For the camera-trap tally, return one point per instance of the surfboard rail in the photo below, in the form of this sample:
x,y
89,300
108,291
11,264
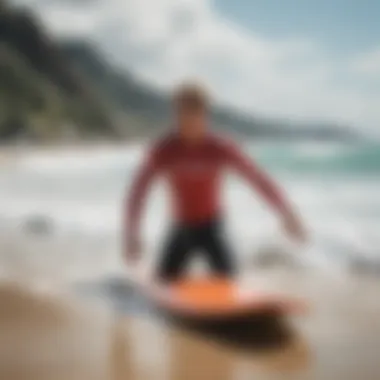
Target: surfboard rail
x,y
210,298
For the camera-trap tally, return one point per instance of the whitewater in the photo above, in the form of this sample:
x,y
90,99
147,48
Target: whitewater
x,y
79,194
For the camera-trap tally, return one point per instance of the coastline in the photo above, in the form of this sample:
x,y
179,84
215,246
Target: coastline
x,y
58,338
51,332
10,154
85,145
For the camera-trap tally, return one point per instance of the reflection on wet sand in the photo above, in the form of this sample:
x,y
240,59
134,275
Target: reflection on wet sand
x,y
47,336
162,353
212,359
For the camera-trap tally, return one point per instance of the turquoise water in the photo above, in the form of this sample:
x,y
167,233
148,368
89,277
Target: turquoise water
x,y
322,160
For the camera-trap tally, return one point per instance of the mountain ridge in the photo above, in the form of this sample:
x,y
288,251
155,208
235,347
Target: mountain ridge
x,y
71,88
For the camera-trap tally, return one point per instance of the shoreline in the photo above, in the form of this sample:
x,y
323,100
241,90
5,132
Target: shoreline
x,y
9,154
66,145
42,310
49,333
96,339
95,344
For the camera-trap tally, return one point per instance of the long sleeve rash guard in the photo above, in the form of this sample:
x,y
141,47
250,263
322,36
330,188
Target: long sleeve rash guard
x,y
193,173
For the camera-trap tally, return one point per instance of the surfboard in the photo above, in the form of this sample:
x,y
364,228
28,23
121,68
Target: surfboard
x,y
218,299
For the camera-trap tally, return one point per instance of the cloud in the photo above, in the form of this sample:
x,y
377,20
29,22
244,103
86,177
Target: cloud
x,y
368,63
165,41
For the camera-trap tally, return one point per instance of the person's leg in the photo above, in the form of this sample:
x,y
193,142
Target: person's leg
x,y
212,242
175,254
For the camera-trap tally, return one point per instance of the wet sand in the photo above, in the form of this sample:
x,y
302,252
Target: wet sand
x,y
52,335
50,331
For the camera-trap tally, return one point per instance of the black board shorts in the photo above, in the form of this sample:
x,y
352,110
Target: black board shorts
x,y
185,241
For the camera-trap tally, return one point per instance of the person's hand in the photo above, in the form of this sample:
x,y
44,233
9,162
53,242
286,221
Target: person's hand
x,y
294,228
132,250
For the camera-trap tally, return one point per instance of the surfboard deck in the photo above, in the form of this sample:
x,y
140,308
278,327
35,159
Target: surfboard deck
x,y
218,299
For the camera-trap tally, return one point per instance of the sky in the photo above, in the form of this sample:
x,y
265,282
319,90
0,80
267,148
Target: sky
x,y
298,59
343,27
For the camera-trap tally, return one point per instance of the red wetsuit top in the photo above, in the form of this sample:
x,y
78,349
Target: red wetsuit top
x,y
193,172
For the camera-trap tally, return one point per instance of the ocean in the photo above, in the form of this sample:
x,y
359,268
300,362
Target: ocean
x,y
69,203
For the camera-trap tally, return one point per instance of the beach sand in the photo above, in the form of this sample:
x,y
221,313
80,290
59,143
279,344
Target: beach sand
x,y
51,334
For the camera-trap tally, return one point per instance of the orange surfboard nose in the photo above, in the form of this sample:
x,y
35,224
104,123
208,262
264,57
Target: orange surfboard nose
x,y
206,292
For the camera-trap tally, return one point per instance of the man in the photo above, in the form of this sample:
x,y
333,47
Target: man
x,y
192,160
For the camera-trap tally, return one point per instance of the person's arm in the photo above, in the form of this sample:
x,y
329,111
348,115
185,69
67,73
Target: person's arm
x,y
262,183
136,199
